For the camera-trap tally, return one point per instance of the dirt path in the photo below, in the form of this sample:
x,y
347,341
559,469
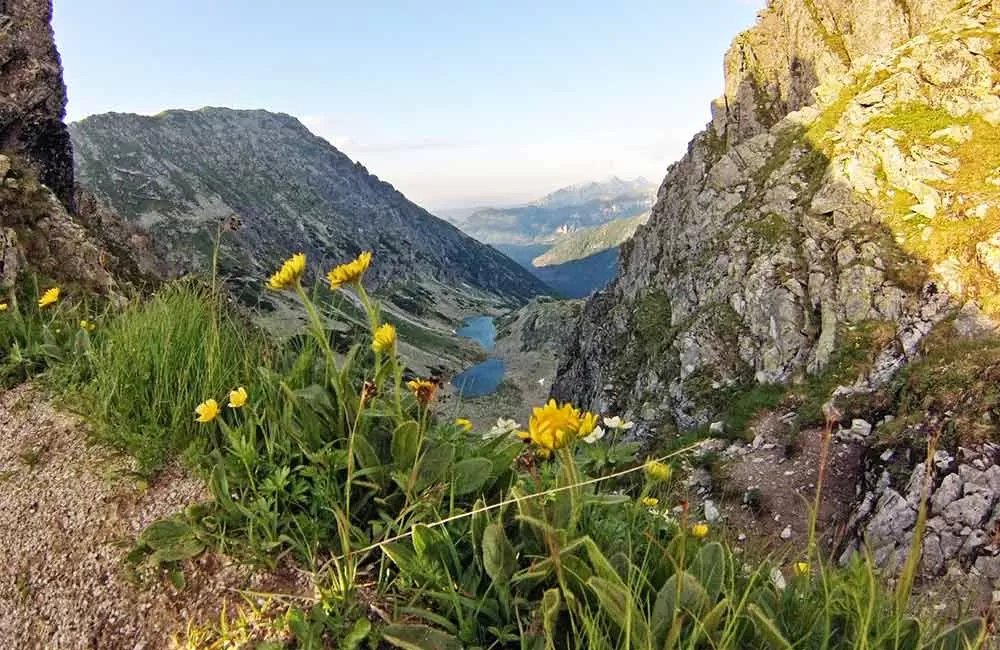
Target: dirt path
x,y
69,513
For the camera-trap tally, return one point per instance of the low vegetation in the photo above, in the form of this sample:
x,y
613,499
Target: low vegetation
x,y
418,532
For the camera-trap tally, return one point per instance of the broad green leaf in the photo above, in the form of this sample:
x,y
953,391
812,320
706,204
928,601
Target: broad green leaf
x,y
165,533
470,475
768,631
419,637
435,465
480,519
680,594
405,445
499,558
362,628
617,603
709,567
183,549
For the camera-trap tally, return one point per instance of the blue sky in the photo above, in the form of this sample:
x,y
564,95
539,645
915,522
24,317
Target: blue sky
x,y
455,103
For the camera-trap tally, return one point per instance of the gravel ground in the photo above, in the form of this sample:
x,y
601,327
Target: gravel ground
x,y
69,513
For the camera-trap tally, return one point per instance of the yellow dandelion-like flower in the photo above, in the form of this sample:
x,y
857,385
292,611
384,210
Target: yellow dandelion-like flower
x,y
659,472
238,397
464,425
384,339
3,306
588,422
349,273
552,426
87,325
423,389
801,568
289,273
650,502
207,411
49,297
699,530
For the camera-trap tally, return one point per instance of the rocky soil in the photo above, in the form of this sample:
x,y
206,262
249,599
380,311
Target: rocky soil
x,y
69,514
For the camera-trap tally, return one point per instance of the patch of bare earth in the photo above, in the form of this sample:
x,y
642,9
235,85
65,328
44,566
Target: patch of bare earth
x,y
69,514
779,475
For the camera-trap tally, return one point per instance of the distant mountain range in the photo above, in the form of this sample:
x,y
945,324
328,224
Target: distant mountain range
x,y
590,241
569,239
180,173
557,214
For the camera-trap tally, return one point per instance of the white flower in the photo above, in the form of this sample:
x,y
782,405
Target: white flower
x,y
594,436
503,427
617,423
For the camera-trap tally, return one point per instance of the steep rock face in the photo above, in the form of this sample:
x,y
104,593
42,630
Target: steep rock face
x,y
40,226
33,96
772,69
180,173
779,234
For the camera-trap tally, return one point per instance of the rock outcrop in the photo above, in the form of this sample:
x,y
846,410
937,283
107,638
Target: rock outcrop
x,y
849,178
41,227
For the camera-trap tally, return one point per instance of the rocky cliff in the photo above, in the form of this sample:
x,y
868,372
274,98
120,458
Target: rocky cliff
x,y
180,173
41,227
849,183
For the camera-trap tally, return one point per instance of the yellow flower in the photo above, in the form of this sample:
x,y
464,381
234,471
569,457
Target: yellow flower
x,y
588,422
552,426
49,297
385,338
349,273
207,411
423,389
650,502
289,273
801,568
3,306
659,472
237,398
464,425
699,530
87,325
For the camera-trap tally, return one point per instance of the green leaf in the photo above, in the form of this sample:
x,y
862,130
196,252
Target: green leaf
x,y
767,629
551,605
419,637
165,533
470,475
480,519
606,499
499,558
362,628
617,603
177,579
435,465
968,635
405,445
709,567
183,549
680,593
426,542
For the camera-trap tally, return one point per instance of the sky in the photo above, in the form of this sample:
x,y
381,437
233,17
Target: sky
x,y
456,103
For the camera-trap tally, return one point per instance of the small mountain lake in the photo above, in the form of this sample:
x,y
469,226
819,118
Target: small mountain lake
x,y
483,378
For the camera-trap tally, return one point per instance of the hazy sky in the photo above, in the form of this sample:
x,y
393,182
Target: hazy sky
x,y
453,102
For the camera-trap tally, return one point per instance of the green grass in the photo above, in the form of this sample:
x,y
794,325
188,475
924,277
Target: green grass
x,y
459,541
160,358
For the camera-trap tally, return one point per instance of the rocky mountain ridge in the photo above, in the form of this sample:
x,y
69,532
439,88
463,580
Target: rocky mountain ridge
x,y
179,173
849,177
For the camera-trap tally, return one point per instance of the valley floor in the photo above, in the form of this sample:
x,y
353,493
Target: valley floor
x,y
69,514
